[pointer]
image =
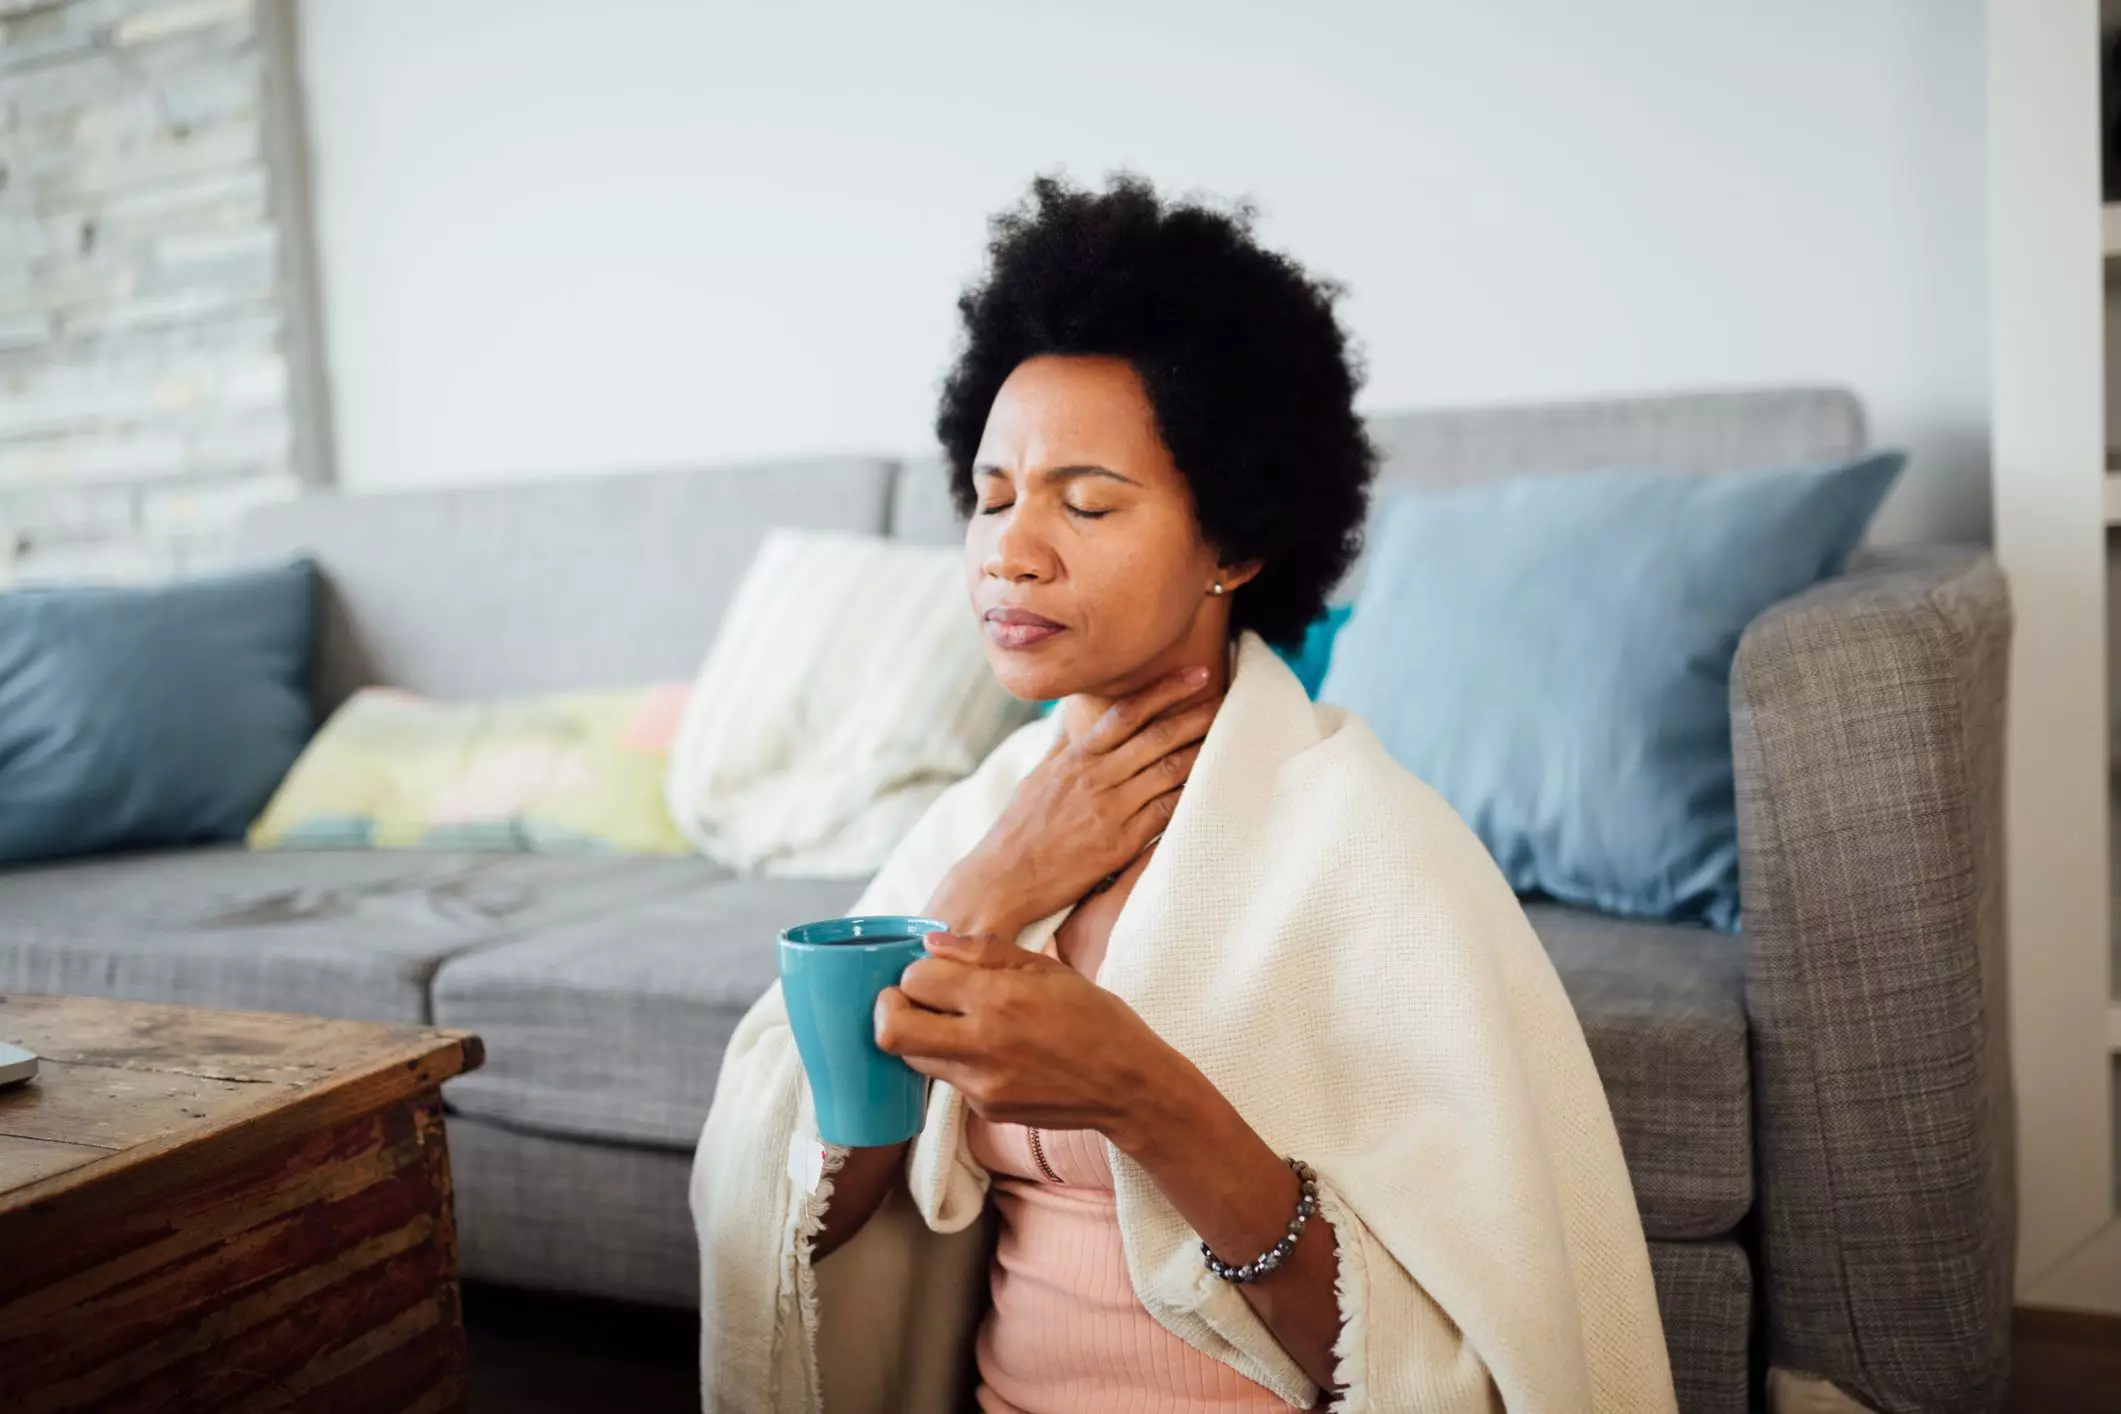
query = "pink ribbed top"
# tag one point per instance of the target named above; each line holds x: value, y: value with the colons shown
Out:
x: 1066, y: 1331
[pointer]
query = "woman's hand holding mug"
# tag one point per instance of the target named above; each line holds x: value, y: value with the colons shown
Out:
x: 1026, y: 1038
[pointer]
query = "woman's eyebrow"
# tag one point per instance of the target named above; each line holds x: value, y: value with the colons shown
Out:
x: 1060, y: 473
x: 1069, y: 473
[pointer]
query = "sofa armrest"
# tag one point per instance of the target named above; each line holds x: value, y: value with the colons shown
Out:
x: 1867, y: 726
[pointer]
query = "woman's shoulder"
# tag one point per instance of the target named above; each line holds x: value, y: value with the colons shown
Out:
x: 1348, y: 749
x: 1380, y: 800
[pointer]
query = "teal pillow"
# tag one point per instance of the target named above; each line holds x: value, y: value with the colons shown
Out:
x: 1553, y: 655
x: 133, y: 717
x: 1311, y: 657
x: 1308, y: 659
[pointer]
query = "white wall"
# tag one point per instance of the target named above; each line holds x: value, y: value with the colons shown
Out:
x: 564, y: 237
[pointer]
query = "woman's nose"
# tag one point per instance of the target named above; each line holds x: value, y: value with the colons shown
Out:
x: 1018, y: 552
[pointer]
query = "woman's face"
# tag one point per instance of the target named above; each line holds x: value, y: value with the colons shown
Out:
x: 1083, y: 557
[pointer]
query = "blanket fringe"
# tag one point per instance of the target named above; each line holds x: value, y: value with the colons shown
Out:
x: 809, y: 1221
x: 1351, y: 1290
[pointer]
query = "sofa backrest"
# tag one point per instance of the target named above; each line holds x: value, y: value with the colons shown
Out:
x: 592, y: 581
x: 622, y: 579
x: 1680, y: 432
x: 1694, y: 433
x: 920, y: 503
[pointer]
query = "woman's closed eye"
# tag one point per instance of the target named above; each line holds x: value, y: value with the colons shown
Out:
x: 1081, y: 512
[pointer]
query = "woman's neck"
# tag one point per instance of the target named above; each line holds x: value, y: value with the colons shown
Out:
x: 1080, y: 711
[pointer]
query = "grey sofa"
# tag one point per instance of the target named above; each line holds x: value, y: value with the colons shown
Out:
x: 1816, y: 1112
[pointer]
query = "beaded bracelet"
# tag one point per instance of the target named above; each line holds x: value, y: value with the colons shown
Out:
x: 1267, y: 1261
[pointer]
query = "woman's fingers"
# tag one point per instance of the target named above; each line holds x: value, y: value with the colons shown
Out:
x: 954, y: 1073
x: 1162, y: 739
x: 1148, y: 822
x: 933, y: 1043
x: 907, y: 1030
x: 981, y: 1086
x: 1164, y: 776
x: 987, y: 950
x: 1137, y: 709
x: 940, y: 984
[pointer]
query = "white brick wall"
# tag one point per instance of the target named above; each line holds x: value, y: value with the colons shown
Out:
x: 146, y: 398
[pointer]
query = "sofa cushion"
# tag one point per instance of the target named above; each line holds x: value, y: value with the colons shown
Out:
x: 136, y: 716
x: 1663, y: 1008
x: 352, y: 934
x: 1553, y: 655
x: 542, y: 1211
x: 848, y: 688
x: 547, y: 773
x: 613, y: 1027
x: 1705, y: 1294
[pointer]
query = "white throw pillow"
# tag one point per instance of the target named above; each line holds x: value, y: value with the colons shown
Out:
x: 847, y: 688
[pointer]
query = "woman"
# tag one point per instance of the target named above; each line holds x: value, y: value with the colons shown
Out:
x: 1217, y: 965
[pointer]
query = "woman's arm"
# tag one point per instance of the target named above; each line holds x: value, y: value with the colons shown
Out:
x: 860, y: 1187
x: 1029, y: 1040
x: 1239, y: 1195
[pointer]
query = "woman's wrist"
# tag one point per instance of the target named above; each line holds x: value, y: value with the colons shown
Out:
x: 972, y: 904
x: 1168, y: 1111
x: 1208, y: 1162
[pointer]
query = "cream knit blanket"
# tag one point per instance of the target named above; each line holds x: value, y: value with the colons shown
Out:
x: 1325, y: 939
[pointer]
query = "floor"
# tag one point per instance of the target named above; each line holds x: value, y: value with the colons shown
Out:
x: 2065, y: 1364
x: 537, y: 1354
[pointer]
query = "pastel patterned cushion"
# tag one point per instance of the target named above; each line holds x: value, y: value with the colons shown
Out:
x: 563, y: 773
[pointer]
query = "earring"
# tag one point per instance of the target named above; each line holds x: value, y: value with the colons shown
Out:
x: 1215, y: 589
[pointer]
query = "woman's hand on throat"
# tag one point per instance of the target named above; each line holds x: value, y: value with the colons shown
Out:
x: 1085, y: 812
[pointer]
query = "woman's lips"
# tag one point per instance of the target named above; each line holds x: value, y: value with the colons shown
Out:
x: 1019, y: 628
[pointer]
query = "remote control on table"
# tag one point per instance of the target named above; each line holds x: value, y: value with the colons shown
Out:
x: 16, y: 1064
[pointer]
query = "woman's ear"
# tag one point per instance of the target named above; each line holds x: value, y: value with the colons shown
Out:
x: 1232, y: 575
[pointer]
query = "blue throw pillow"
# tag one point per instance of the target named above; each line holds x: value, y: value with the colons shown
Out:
x: 1553, y: 655
x: 132, y: 717
x: 1308, y: 659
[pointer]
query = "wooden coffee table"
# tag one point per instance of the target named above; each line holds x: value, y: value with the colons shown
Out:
x: 226, y: 1210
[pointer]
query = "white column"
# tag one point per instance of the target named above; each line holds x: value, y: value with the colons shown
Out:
x: 2046, y: 308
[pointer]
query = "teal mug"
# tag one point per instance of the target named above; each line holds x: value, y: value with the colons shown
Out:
x: 831, y: 974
